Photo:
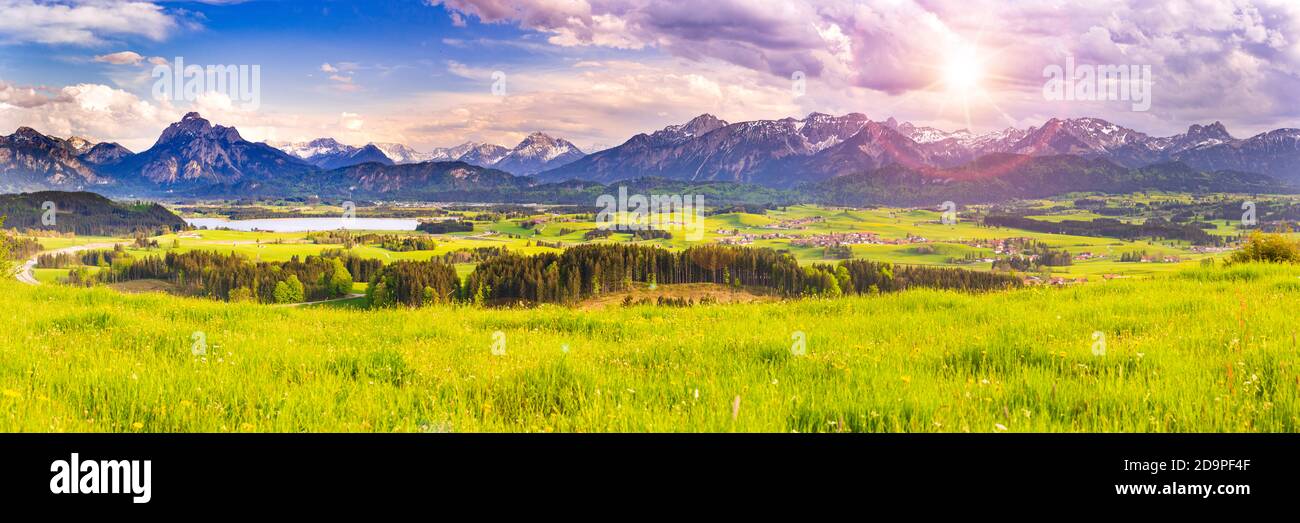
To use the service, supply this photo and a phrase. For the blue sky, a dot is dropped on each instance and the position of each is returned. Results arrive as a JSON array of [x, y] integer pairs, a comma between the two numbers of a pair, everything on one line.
[[596, 72]]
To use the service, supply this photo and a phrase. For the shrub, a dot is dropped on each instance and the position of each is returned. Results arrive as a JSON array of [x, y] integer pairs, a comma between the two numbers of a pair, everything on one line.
[[1267, 247]]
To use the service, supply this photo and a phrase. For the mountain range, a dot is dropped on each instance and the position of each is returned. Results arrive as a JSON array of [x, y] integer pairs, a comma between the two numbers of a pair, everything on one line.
[[819, 157], [536, 153], [790, 152]]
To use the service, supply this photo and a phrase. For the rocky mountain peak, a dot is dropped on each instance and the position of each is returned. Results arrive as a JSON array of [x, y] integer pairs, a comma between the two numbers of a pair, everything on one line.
[[193, 126], [28, 134], [1214, 131]]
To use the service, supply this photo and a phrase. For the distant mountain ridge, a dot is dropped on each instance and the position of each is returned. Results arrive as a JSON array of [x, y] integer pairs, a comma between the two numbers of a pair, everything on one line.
[[881, 161], [535, 153], [328, 153], [787, 152]]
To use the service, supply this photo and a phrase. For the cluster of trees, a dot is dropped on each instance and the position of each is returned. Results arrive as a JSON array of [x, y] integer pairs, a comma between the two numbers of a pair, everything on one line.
[[1267, 247], [591, 270], [444, 227], [392, 242], [86, 214], [1158, 228], [408, 244], [651, 234], [750, 208], [415, 284], [6, 249], [234, 277], [346, 238], [1133, 257], [1016, 263], [361, 269], [94, 258], [637, 234], [143, 242], [586, 271], [13, 247], [475, 255], [865, 277]]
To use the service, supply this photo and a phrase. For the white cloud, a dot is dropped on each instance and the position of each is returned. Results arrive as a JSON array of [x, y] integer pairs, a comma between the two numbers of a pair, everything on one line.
[[465, 71], [586, 105], [95, 111], [1212, 59], [121, 58], [90, 22]]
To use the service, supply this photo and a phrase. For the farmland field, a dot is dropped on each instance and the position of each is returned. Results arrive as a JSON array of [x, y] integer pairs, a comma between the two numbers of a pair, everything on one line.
[[1189, 345], [1204, 349], [897, 228]]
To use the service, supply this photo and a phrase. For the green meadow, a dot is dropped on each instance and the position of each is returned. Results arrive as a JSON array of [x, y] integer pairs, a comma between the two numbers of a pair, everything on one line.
[[1188, 346], [1201, 349], [944, 242]]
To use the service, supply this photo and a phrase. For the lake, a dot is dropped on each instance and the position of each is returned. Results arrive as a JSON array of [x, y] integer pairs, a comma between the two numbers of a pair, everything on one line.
[[307, 224]]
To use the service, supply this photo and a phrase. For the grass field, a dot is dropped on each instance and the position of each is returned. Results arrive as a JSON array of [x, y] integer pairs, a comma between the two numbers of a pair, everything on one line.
[[888, 223], [1198, 350]]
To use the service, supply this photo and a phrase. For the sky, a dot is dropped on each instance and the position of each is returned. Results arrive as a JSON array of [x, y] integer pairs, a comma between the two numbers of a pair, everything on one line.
[[437, 73]]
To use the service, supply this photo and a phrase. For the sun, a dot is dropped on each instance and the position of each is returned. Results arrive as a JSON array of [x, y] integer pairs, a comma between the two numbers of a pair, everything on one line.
[[963, 71]]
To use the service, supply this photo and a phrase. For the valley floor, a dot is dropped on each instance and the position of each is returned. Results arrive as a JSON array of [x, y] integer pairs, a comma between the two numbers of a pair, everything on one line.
[[1198, 350]]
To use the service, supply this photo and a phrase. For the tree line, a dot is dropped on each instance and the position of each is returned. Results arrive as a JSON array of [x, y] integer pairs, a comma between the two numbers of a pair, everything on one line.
[[233, 277], [576, 274], [588, 271], [391, 242], [1155, 227]]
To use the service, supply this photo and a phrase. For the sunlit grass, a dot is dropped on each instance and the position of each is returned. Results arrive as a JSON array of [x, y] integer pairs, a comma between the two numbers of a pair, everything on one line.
[[1205, 349]]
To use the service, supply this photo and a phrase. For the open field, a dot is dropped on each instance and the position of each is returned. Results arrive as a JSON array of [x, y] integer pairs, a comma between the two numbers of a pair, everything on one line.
[[1205, 349], [1187, 348], [911, 228]]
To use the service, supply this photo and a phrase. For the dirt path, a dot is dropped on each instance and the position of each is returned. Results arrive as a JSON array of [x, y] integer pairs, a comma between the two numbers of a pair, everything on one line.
[[348, 297], [25, 272]]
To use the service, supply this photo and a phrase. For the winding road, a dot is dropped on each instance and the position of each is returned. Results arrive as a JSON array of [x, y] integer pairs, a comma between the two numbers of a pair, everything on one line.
[[25, 272], [348, 297]]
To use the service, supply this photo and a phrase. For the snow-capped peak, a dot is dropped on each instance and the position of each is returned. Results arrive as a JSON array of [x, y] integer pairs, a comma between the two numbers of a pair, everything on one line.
[[313, 148], [400, 153]]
